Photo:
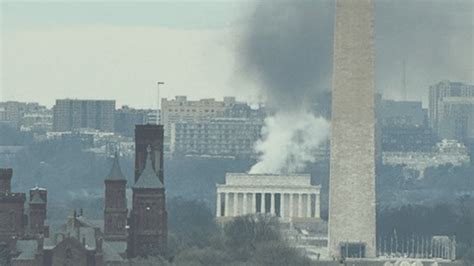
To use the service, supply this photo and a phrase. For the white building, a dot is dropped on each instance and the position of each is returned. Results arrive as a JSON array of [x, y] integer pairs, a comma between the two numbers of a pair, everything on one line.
[[284, 196], [447, 152]]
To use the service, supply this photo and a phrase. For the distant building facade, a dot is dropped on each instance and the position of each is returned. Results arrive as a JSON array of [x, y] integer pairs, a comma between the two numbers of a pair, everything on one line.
[[405, 139], [211, 128], [219, 137], [69, 115], [404, 127], [446, 152], [402, 114], [182, 110], [450, 110], [289, 197], [25, 116], [126, 118]]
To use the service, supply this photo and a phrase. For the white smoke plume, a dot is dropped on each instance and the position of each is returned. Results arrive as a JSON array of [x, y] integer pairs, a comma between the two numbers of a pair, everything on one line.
[[286, 50], [289, 142]]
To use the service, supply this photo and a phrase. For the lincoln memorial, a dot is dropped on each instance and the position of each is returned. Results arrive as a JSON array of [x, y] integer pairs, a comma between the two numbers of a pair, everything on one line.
[[283, 196]]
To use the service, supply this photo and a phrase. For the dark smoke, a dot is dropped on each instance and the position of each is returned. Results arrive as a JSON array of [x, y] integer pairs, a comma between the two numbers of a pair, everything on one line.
[[288, 48], [434, 37]]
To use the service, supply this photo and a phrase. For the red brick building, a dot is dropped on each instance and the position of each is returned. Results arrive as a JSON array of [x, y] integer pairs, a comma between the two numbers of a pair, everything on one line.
[[149, 135], [148, 218], [12, 217], [115, 211]]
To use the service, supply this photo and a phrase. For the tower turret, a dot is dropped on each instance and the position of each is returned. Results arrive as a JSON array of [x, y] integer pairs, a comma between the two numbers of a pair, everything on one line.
[[115, 211], [37, 212], [148, 219], [5, 179]]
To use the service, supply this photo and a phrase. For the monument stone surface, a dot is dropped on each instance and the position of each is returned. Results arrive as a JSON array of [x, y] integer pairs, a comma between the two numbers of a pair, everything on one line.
[[352, 170]]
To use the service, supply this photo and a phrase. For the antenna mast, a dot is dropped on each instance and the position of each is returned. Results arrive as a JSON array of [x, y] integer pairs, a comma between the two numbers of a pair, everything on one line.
[[404, 80]]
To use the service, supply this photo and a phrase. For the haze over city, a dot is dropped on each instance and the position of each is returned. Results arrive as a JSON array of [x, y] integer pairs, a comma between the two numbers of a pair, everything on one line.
[[78, 49], [256, 133]]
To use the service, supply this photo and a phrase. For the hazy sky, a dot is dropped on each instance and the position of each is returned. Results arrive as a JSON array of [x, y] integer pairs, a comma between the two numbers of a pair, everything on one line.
[[118, 50]]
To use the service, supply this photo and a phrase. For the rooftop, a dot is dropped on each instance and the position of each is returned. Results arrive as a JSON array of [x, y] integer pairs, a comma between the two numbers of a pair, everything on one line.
[[255, 180], [148, 178], [116, 172]]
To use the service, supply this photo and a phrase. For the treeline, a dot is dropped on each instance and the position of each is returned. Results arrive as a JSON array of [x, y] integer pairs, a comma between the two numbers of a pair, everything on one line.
[[450, 219], [247, 240]]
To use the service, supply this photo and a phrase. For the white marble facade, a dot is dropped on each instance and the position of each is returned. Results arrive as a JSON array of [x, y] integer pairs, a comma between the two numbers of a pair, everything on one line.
[[284, 196]]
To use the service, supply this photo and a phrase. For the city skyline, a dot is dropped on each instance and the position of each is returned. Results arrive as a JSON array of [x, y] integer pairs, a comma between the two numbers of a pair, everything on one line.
[[85, 51], [237, 132]]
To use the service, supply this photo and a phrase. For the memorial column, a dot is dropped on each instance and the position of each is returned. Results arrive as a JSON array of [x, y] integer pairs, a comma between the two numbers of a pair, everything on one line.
[[317, 206], [308, 205], [226, 204], [218, 205], [244, 208], [282, 205], [254, 202], [300, 209], [236, 199], [290, 210], [272, 203]]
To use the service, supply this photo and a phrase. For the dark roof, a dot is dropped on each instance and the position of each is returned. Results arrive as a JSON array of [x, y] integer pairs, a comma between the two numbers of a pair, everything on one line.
[[116, 173], [148, 178]]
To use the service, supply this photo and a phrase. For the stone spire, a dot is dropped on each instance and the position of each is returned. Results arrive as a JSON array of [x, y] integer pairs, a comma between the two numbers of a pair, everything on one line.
[[352, 167], [148, 178], [115, 173], [36, 198], [115, 205]]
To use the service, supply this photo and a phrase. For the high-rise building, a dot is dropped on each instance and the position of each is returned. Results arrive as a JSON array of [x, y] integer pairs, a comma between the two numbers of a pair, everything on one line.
[[126, 118], [149, 136], [148, 218], [440, 106], [69, 115], [17, 114], [352, 166], [183, 110], [220, 137], [115, 211]]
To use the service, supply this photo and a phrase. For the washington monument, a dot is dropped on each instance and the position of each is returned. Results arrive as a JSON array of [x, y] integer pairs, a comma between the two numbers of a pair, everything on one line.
[[352, 172]]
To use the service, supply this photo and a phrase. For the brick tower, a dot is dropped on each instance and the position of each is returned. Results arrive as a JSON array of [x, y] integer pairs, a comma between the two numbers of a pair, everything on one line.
[[149, 135], [115, 211], [352, 170], [148, 218], [37, 212], [12, 217], [5, 180]]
